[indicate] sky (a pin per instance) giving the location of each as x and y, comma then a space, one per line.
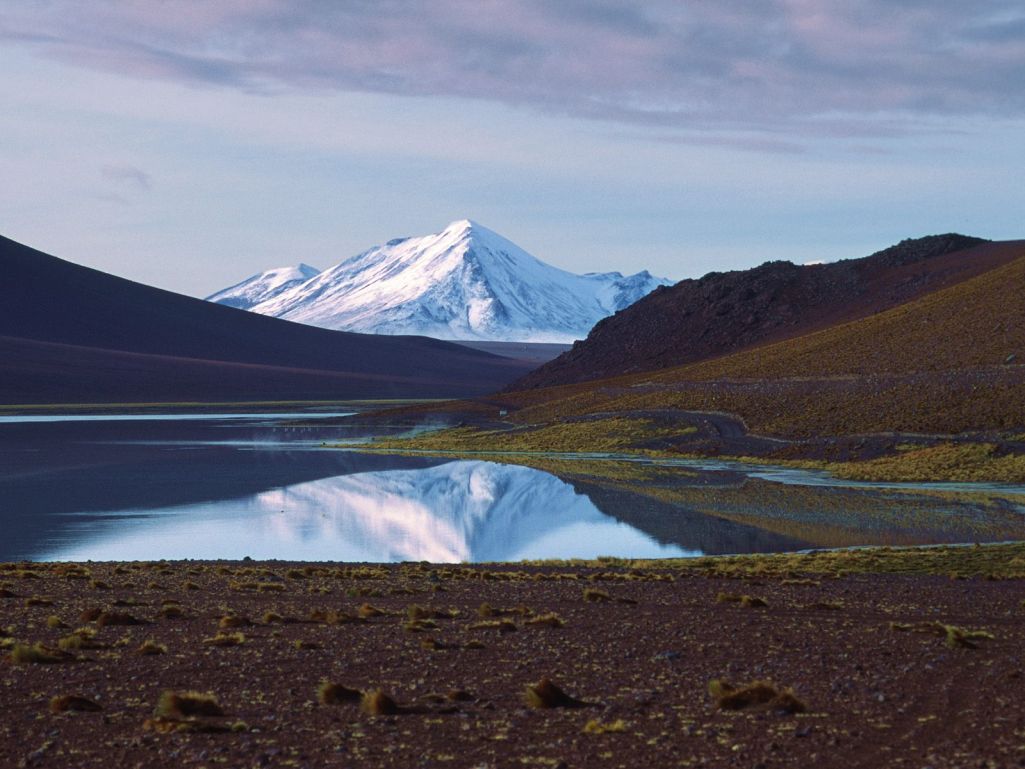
189, 144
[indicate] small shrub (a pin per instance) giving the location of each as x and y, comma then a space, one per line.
748, 601
179, 706
762, 694
546, 620
225, 639
545, 695
501, 625
329, 693
149, 647
366, 611
377, 703
73, 702
596, 596
420, 625
117, 618
37, 654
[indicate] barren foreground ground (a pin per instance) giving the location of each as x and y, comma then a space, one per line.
895, 669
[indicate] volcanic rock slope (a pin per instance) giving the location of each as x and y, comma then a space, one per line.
72, 334
466, 282
723, 313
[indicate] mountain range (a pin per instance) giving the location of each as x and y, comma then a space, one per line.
923, 339
465, 283
72, 334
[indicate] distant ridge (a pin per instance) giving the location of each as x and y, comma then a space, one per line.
722, 313
70, 333
263, 287
466, 282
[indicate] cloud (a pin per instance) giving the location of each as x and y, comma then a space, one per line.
127, 176
807, 67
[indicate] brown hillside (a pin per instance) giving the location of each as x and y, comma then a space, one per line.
723, 313
948, 362
977, 323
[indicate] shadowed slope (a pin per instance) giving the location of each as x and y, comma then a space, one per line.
65, 324
725, 312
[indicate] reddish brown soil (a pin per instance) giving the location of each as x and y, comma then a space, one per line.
875, 697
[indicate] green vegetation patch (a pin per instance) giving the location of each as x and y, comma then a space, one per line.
620, 434
962, 462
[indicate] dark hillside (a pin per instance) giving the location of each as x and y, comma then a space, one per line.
723, 313
73, 333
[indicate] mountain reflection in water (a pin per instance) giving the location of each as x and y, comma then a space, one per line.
459, 511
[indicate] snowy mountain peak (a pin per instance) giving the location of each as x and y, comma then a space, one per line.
465, 282
263, 286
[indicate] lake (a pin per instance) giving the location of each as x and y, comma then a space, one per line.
227, 486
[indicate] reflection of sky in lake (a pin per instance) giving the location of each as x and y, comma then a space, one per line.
459, 511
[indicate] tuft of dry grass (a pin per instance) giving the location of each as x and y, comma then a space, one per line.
955, 637
225, 639
229, 621
180, 706
329, 693
420, 625
501, 625
747, 601
83, 638
545, 694
149, 648
594, 726
38, 654
64, 703
377, 703
117, 618
546, 620
596, 596
759, 694
366, 611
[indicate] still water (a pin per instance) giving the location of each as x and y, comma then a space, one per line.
230, 486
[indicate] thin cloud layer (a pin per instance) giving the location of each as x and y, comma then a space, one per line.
817, 67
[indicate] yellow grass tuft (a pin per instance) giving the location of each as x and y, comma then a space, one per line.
759, 694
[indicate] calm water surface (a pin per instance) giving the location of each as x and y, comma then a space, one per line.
236, 485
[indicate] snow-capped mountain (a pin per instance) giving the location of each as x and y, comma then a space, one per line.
455, 512
466, 282
263, 287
